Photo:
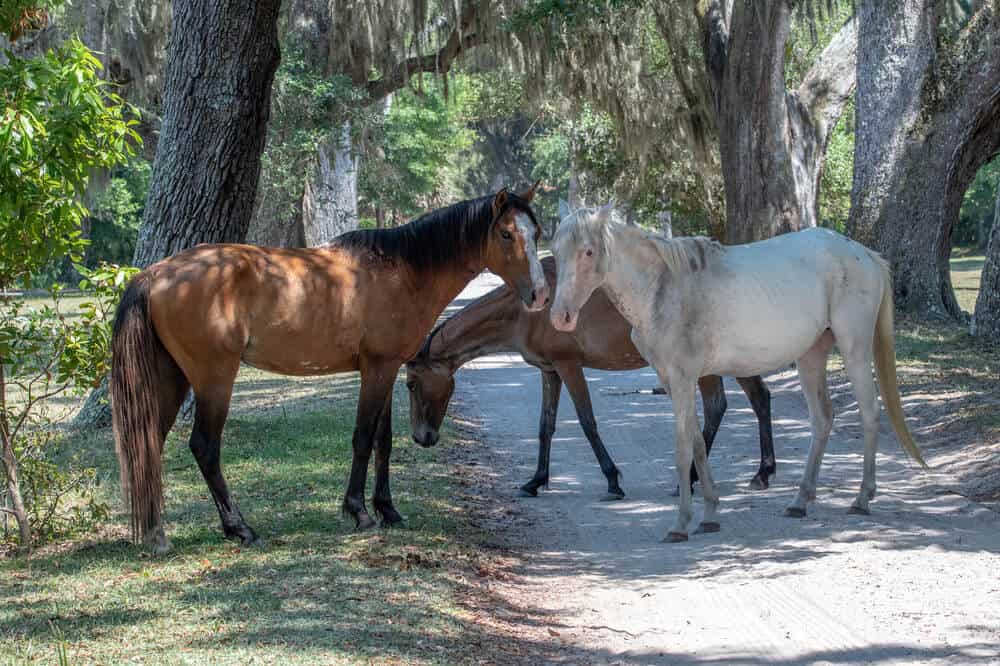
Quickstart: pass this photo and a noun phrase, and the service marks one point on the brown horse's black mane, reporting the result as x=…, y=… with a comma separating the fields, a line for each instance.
x=437, y=239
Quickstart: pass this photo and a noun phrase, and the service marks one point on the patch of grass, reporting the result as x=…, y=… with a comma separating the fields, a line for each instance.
x=960, y=373
x=966, y=267
x=318, y=593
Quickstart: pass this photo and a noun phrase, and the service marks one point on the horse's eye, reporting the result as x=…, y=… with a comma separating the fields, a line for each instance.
x=411, y=385
x=590, y=253
x=504, y=234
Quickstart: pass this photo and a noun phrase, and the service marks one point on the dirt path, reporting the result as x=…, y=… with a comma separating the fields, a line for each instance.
x=916, y=582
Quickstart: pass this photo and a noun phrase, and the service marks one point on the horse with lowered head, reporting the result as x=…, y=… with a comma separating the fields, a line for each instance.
x=496, y=322
x=365, y=302
x=698, y=308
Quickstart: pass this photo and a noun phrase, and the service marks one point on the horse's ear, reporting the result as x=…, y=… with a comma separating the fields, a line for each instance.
x=564, y=211
x=498, y=202
x=529, y=194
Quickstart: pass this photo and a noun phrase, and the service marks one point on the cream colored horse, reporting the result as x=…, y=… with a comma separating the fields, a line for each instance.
x=698, y=308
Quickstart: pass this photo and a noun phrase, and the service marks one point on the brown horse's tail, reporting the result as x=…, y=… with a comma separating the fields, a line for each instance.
x=885, y=367
x=135, y=408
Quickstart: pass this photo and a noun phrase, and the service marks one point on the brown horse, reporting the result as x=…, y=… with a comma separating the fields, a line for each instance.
x=364, y=302
x=496, y=323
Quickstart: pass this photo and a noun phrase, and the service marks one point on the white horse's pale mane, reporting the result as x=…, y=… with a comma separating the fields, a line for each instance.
x=686, y=254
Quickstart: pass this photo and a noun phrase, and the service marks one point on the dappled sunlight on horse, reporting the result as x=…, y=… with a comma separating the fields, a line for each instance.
x=363, y=303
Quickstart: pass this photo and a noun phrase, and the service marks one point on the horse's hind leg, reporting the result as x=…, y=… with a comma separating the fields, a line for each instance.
x=551, y=388
x=576, y=384
x=812, y=376
x=382, y=498
x=858, y=364
x=760, y=399
x=713, y=400
x=211, y=399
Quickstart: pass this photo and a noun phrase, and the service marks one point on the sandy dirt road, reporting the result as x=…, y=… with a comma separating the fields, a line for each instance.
x=917, y=582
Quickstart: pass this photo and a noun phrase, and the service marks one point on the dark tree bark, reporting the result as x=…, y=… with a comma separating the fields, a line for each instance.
x=928, y=117
x=772, y=140
x=986, y=321
x=217, y=99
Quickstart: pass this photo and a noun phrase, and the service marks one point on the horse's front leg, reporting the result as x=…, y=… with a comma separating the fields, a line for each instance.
x=551, y=388
x=382, y=498
x=576, y=384
x=685, y=414
x=376, y=386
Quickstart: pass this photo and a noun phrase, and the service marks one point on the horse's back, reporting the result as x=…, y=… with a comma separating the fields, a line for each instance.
x=285, y=310
x=770, y=300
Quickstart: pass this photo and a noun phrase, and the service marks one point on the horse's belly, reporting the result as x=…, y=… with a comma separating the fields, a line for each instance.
x=759, y=348
x=288, y=351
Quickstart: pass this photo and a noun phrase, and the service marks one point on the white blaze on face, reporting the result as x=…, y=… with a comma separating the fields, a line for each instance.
x=527, y=229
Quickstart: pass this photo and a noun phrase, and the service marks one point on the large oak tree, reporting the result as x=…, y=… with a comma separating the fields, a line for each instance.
x=928, y=117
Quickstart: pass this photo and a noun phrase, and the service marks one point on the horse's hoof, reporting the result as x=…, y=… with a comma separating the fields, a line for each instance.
x=708, y=527
x=759, y=483
x=392, y=520
x=157, y=542
x=795, y=512
x=856, y=510
x=253, y=542
x=527, y=491
x=676, y=492
x=613, y=496
x=675, y=537
x=160, y=546
x=364, y=522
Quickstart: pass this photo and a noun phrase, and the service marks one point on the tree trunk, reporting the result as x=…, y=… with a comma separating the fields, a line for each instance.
x=9, y=460
x=217, y=99
x=330, y=201
x=664, y=220
x=772, y=141
x=986, y=320
x=928, y=116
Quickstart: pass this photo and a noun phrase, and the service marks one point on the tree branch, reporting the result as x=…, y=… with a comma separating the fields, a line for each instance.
x=462, y=38
x=829, y=83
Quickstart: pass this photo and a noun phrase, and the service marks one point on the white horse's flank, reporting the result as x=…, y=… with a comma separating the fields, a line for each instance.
x=698, y=308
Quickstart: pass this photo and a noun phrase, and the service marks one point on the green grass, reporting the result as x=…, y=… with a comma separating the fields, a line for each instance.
x=966, y=267
x=318, y=593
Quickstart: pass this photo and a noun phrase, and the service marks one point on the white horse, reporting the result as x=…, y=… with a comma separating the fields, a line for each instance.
x=698, y=308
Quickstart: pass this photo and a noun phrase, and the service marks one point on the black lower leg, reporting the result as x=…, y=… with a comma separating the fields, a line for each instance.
x=382, y=498
x=608, y=467
x=376, y=388
x=760, y=399
x=551, y=387
x=206, y=450
x=713, y=400
x=576, y=383
x=354, y=498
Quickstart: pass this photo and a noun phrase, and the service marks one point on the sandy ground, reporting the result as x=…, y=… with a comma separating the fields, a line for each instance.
x=916, y=582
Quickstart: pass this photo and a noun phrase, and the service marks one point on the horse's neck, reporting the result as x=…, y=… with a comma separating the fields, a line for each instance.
x=633, y=277
x=440, y=287
x=484, y=327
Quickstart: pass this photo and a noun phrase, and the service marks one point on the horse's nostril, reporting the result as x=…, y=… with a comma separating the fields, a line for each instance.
x=566, y=316
x=534, y=296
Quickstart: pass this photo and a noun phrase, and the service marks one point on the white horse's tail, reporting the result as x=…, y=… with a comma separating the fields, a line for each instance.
x=885, y=366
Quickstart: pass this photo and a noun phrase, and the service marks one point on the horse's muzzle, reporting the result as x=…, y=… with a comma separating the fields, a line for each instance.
x=535, y=298
x=427, y=438
x=562, y=319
